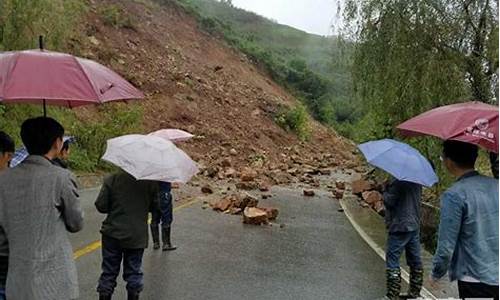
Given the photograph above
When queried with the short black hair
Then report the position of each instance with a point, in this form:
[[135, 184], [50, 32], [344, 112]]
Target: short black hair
[[39, 134], [463, 154], [6, 143]]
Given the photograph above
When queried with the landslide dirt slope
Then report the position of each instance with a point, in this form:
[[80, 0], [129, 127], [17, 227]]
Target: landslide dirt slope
[[194, 81]]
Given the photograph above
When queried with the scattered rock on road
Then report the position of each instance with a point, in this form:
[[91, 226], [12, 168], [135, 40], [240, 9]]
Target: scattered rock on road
[[255, 216], [207, 189], [372, 197], [340, 185], [360, 186], [248, 174], [247, 186], [309, 193], [272, 212], [338, 194]]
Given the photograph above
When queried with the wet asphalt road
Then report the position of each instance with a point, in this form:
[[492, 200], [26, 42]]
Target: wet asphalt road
[[316, 255]]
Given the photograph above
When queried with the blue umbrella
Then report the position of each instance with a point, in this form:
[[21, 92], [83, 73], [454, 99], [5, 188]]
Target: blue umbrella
[[21, 154], [400, 160]]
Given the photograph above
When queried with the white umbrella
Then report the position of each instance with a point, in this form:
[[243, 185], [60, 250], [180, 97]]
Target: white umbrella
[[174, 135], [150, 158]]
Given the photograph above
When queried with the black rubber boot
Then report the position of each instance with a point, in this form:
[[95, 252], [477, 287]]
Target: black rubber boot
[[393, 283], [155, 233], [104, 297], [416, 281], [165, 236], [133, 296]]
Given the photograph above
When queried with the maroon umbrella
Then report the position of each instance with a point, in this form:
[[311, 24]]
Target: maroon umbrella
[[471, 122], [36, 76]]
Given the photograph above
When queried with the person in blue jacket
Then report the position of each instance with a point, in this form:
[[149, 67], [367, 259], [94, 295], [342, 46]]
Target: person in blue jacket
[[468, 230]]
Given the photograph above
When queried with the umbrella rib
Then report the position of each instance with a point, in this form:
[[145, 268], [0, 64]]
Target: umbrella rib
[[88, 78]]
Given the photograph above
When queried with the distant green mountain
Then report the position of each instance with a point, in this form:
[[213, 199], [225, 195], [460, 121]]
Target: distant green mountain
[[313, 66]]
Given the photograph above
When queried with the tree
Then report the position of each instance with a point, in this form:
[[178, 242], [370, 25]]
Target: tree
[[411, 56], [417, 55]]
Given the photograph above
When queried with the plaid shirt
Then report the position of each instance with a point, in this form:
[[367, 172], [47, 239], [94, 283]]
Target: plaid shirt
[[21, 154]]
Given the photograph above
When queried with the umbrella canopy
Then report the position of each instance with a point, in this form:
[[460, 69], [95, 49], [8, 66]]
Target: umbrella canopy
[[22, 153], [150, 158], [472, 122], [36, 76], [173, 135], [400, 160]]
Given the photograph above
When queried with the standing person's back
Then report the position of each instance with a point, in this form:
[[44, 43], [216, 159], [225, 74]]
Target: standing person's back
[[7, 149], [127, 202], [402, 206], [402, 217], [475, 197], [38, 205], [468, 230]]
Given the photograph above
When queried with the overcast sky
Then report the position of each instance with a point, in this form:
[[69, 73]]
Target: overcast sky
[[313, 16]]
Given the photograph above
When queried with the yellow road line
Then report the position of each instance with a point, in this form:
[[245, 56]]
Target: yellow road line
[[97, 244]]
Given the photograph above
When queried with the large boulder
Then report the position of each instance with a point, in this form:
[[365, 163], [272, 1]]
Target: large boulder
[[309, 193], [248, 174], [340, 185], [207, 189], [255, 216], [360, 186], [244, 200], [272, 212], [247, 186], [338, 194], [222, 204], [372, 197]]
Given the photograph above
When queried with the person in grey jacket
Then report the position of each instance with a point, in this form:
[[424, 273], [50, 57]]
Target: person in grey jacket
[[7, 149], [39, 204], [127, 203], [402, 216]]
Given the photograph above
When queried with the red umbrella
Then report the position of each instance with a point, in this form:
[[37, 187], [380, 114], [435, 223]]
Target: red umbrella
[[471, 122], [35, 76]]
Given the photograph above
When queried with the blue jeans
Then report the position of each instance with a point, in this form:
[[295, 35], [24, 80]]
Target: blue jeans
[[112, 256], [399, 241], [165, 216], [2, 293]]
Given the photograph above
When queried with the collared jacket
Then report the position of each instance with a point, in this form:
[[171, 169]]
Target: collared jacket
[[468, 230], [402, 206], [39, 205]]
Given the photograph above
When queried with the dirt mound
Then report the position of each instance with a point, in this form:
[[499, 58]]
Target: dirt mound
[[194, 81]]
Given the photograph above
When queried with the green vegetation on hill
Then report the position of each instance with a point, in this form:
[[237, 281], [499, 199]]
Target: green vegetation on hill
[[309, 65], [21, 22]]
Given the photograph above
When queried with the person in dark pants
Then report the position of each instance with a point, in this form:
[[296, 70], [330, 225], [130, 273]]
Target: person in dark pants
[[402, 216], [164, 217], [494, 164], [467, 246], [7, 149], [127, 203]]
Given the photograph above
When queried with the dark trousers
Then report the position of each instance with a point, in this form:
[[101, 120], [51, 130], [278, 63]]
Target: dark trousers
[[471, 290], [112, 256], [399, 241], [164, 216], [4, 265]]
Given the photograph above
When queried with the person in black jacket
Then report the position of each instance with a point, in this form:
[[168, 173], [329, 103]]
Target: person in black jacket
[[402, 217], [127, 203]]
